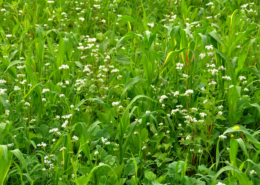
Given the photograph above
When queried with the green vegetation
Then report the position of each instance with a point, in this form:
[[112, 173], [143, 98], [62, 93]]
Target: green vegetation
[[115, 92]]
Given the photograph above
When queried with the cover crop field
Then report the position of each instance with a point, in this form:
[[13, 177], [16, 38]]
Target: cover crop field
[[135, 92]]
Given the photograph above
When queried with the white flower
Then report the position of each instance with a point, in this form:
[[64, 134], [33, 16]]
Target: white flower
[[2, 81], [220, 107], [176, 93], [252, 172], [75, 138], [210, 3], [209, 47], [44, 169], [10, 145], [16, 88], [82, 18], [135, 133], [64, 124], [96, 152], [2, 91], [160, 124], [63, 148], [205, 101], [242, 78], [219, 183], [150, 24], [64, 67], [202, 55], [222, 137], [144, 147], [114, 71], [189, 91], [220, 113], [246, 89], [188, 137], [231, 86], [115, 103], [72, 176], [45, 90], [27, 104], [222, 68], [226, 77], [50, 2], [62, 95]]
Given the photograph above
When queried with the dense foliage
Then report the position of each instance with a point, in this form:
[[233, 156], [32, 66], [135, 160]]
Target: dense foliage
[[132, 92]]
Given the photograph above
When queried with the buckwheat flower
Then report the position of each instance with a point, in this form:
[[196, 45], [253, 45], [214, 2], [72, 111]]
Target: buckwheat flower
[[32, 120], [82, 18], [188, 137], [44, 169], [115, 103], [144, 147], [202, 114], [148, 123], [231, 86], [220, 107], [63, 148], [75, 138], [244, 82], [208, 4], [242, 78], [45, 90], [176, 93], [226, 77], [185, 75], [64, 124], [160, 124], [252, 172], [167, 131], [189, 91], [140, 121], [64, 67], [107, 143], [135, 133], [246, 89], [119, 76], [219, 183], [222, 68], [200, 151], [202, 55], [61, 95], [3, 10], [114, 71], [209, 47], [27, 104], [222, 137], [50, 2], [220, 113], [16, 88], [2, 81], [194, 109], [205, 101]]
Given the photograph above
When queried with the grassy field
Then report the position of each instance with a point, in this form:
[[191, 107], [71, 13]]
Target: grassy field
[[135, 92]]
